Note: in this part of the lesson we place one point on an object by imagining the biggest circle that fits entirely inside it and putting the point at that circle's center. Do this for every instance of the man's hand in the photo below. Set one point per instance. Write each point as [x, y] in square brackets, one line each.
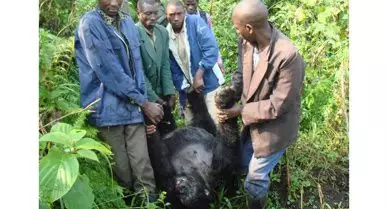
[171, 100]
[153, 111]
[198, 83]
[225, 114]
[150, 129]
[247, 115]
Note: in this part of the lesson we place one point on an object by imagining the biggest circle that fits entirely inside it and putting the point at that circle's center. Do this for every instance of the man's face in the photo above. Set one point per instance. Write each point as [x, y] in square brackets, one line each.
[148, 14]
[191, 6]
[243, 30]
[110, 7]
[175, 16]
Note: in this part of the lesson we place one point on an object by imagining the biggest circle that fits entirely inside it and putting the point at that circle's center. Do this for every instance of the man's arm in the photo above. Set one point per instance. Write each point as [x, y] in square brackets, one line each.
[166, 77]
[106, 65]
[285, 93]
[151, 95]
[142, 79]
[209, 50]
[209, 21]
[208, 45]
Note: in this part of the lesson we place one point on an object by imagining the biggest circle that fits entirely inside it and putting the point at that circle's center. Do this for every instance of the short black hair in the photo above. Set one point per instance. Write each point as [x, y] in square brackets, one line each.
[176, 3]
[141, 2]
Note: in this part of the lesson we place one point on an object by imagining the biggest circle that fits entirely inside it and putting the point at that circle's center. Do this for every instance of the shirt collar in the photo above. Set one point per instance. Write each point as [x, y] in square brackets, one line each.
[174, 35]
[111, 20]
[149, 32]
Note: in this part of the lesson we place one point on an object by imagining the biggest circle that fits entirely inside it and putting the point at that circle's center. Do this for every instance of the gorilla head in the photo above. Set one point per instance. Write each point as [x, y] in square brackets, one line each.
[191, 191]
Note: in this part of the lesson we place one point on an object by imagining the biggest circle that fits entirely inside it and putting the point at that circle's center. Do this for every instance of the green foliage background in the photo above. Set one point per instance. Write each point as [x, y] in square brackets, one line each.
[317, 163]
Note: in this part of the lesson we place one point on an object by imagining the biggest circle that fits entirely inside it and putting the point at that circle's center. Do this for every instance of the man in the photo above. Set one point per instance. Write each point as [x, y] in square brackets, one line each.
[271, 94]
[193, 57]
[110, 69]
[192, 9]
[155, 59]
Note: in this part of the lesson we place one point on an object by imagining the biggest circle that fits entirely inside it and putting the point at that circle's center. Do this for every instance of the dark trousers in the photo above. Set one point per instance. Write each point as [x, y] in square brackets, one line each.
[132, 163]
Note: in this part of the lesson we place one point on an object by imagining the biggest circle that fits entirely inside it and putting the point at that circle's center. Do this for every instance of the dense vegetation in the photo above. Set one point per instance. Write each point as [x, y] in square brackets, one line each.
[312, 174]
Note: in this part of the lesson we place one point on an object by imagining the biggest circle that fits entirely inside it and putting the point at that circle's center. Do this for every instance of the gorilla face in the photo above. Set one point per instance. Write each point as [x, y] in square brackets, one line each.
[191, 191]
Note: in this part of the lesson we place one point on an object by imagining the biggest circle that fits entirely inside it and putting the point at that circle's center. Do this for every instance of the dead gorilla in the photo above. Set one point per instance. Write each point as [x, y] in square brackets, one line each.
[190, 163]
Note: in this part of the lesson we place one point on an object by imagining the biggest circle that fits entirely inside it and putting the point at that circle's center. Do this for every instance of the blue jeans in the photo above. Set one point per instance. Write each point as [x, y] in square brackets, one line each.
[257, 180]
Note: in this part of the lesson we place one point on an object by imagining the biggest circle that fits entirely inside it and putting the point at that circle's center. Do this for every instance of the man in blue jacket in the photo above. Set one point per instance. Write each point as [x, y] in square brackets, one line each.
[193, 57]
[192, 9]
[110, 69]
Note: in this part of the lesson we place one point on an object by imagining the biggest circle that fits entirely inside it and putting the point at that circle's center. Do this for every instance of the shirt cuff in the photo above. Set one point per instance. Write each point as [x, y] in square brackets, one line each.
[201, 67]
[139, 101]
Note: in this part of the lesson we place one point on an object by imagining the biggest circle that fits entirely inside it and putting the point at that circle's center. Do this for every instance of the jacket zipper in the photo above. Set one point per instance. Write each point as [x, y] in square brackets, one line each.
[127, 49]
[126, 46]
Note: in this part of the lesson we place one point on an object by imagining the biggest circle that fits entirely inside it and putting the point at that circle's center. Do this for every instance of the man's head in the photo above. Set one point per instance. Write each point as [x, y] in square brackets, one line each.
[191, 6]
[175, 12]
[148, 12]
[249, 17]
[110, 7]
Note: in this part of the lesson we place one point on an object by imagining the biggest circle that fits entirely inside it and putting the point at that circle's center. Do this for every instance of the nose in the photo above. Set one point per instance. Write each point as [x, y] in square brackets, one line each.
[114, 3]
[153, 16]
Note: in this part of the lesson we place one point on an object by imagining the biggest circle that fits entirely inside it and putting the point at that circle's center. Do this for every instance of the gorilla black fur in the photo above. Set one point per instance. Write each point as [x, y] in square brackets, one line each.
[190, 163]
[227, 131]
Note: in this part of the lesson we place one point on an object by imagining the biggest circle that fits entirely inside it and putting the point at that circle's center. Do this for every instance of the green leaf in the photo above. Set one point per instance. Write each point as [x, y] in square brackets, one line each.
[57, 173]
[88, 154]
[309, 3]
[56, 137]
[80, 195]
[61, 127]
[44, 205]
[77, 134]
[88, 143]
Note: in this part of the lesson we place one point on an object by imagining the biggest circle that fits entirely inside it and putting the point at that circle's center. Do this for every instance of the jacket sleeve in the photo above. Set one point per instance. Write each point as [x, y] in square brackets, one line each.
[106, 65]
[143, 78]
[152, 96]
[286, 92]
[208, 45]
[166, 76]
[174, 68]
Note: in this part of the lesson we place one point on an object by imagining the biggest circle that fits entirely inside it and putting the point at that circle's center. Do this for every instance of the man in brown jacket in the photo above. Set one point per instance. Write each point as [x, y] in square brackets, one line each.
[272, 81]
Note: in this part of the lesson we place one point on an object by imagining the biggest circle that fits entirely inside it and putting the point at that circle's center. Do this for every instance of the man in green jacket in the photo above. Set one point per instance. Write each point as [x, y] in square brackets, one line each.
[155, 57]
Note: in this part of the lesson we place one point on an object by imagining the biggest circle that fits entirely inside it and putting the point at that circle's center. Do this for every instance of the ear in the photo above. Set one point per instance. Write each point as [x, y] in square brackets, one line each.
[249, 28]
